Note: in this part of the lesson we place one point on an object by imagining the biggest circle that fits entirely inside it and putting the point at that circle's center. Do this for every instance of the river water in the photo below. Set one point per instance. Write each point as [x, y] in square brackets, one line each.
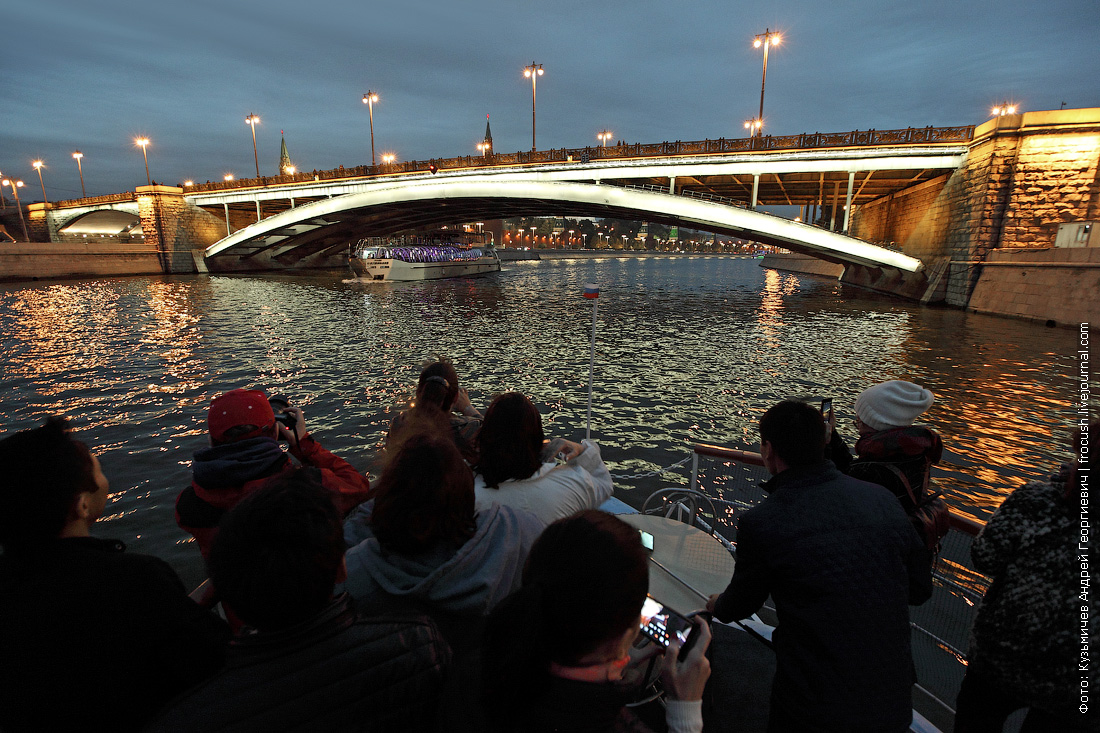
[688, 350]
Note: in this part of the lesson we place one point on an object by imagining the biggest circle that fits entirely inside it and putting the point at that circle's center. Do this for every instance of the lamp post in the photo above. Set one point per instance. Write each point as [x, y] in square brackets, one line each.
[753, 126]
[388, 158]
[534, 71]
[765, 39]
[38, 166]
[252, 120]
[483, 148]
[1004, 108]
[369, 99]
[603, 136]
[80, 169]
[15, 186]
[143, 142]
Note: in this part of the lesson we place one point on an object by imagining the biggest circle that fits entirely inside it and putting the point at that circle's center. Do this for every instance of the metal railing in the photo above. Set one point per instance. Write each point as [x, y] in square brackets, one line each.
[804, 141]
[941, 625]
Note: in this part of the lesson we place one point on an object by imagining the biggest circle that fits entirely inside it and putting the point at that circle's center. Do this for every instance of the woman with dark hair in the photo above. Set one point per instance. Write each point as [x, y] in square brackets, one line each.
[440, 406]
[420, 539]
[516, 466]
[556, 650]
[94, 637]
[1024, 644]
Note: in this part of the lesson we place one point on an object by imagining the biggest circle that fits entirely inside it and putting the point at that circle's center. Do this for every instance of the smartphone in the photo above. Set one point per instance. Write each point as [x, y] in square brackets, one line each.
[826, 407]
[647, 540]
[660, 623]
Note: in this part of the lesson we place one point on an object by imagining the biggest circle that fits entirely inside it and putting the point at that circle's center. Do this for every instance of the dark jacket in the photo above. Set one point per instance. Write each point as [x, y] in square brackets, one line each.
[337, 672]
[842, 562]
[94, 638]
[225, 474]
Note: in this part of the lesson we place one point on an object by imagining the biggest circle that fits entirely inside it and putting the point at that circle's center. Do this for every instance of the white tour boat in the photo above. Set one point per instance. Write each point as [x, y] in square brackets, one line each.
[376, 259]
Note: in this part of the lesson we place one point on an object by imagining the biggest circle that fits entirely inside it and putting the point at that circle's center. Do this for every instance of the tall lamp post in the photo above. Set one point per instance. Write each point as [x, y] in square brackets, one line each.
[143, 142]
[369, 99]
[753, 126]
[78, 155]
[38, 166]
[252, 120]
[533, 72]
[15, 186]
[766, 39]
[603, 136]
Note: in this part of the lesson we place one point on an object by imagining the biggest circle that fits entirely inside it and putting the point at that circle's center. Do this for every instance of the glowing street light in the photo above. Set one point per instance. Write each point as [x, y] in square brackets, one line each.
[753, 126]
[291, 170]
[369, 99]
[533, 72]
[603, 136]
[38, 166]
[765, 39]
[1004, 108]
[483, 148]
[188, 183]
[228, 176]
[15, 186]
[252, 120]
[143, 142]
[80, 169]
[388, 158]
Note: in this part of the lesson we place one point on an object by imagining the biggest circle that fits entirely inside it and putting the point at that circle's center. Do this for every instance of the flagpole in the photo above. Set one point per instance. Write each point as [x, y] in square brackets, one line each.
[593, 292]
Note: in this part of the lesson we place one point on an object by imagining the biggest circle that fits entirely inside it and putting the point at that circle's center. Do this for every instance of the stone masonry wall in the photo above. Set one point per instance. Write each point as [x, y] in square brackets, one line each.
[179, 230]
[913, 219]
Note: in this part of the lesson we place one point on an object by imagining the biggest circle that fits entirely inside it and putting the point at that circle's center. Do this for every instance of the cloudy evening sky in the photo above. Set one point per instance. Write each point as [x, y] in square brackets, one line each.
[93, 75]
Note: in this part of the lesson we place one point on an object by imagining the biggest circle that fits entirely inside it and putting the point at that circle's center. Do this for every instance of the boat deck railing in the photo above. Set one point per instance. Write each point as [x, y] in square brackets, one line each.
[731, 478]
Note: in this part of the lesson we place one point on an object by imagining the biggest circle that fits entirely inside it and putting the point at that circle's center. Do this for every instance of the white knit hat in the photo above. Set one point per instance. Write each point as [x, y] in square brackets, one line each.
[892, 404]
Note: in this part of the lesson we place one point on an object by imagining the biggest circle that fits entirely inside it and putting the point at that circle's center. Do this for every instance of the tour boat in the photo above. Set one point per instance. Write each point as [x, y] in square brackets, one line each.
[375, 259]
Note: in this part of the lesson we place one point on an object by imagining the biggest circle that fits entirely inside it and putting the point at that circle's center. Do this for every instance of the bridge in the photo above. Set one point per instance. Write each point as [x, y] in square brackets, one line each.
[717, 186]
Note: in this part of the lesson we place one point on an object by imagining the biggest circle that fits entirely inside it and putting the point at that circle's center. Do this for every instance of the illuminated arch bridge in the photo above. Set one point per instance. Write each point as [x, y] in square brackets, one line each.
[326, 227]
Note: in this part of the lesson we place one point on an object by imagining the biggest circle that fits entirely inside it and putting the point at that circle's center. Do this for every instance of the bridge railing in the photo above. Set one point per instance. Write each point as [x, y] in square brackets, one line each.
[804, 141]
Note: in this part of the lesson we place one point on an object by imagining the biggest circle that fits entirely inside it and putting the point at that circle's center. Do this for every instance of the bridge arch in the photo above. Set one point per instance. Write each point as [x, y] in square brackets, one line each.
[326, 227]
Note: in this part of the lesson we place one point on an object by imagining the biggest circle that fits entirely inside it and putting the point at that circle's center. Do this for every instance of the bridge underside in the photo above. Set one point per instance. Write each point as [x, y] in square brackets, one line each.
[329, 226]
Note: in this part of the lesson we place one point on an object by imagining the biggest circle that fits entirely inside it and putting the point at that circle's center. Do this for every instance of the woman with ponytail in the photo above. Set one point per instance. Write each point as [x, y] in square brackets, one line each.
[555, 651]
[440, 406]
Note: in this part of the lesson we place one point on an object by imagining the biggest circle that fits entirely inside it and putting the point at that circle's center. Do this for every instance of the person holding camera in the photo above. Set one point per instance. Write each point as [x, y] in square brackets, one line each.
[244, 452]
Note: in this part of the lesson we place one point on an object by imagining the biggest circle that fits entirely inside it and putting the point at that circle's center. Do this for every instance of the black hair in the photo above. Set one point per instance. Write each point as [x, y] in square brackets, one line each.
[45, 471]
[276, 556]
[425, 495]
[510, 440]
[438, 384]
[796, 431]
[584, 583]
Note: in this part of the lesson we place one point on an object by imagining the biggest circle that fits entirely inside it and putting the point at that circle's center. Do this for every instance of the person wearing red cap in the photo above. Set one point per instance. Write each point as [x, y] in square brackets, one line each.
[245, 452]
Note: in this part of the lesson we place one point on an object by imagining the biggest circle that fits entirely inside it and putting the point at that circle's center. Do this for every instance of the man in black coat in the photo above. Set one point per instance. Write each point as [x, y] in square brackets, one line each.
[842, 563]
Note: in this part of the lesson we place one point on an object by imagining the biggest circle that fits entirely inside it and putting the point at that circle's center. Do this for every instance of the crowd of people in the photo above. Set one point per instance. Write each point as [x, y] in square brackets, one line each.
[476, 585]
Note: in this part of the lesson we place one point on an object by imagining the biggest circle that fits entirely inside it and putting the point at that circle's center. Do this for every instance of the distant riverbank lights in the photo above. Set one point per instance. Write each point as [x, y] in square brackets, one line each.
[369, 99]
[252, 120]
[143, 143]
[532, 72]
[38, 166]
[767, 39]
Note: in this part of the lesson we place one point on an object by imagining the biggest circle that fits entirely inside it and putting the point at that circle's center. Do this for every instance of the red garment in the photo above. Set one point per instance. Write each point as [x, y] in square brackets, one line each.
[199, 509]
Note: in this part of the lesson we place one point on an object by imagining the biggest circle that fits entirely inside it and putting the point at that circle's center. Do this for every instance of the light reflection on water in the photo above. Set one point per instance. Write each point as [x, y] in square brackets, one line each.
[688, 350]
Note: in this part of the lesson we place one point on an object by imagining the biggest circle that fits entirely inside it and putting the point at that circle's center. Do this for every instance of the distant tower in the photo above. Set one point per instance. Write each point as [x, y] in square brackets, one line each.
[284, 158]
[488, 137]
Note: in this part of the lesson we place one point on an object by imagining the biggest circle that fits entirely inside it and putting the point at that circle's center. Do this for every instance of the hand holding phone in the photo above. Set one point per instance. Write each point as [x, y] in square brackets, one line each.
[661, 624]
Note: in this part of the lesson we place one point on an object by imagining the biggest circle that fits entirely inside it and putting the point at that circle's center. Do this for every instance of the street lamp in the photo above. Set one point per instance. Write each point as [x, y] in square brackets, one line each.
[80, 169]
[38, 166]
[252, 120]
[603, 136]
[483, 148]
[228, 176]
[533, 72]
[388, 158]
[753, 126]
[369, 99]
[765, 39]
[15, 186]
[144, 143]
[1004, 108]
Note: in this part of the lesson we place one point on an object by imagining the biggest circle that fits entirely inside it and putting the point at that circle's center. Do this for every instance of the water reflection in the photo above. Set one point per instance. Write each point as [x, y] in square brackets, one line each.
[688, 350]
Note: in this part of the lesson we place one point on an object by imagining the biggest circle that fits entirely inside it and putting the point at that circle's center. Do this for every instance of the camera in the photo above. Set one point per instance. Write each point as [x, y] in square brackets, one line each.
[659, 623]
[279, 403]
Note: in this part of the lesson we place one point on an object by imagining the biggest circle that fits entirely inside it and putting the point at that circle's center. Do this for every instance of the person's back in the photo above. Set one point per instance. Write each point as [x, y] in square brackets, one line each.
[309, 662]
[93, 638]
[440, 406]
[842, 563]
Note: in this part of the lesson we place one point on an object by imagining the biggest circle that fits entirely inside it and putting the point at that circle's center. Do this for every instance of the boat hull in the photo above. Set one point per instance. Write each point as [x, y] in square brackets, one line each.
[397, 270]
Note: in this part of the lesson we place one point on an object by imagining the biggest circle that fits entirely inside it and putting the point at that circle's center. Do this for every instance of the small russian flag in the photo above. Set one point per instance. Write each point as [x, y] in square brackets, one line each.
[591, 290]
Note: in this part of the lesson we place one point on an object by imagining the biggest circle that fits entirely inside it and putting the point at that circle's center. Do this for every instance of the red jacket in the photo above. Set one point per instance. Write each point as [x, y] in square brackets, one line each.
[225, 474]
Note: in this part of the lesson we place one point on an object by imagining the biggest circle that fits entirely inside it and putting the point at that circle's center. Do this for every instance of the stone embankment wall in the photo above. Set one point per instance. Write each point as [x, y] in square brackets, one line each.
[1053, 286]
[46, 260]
